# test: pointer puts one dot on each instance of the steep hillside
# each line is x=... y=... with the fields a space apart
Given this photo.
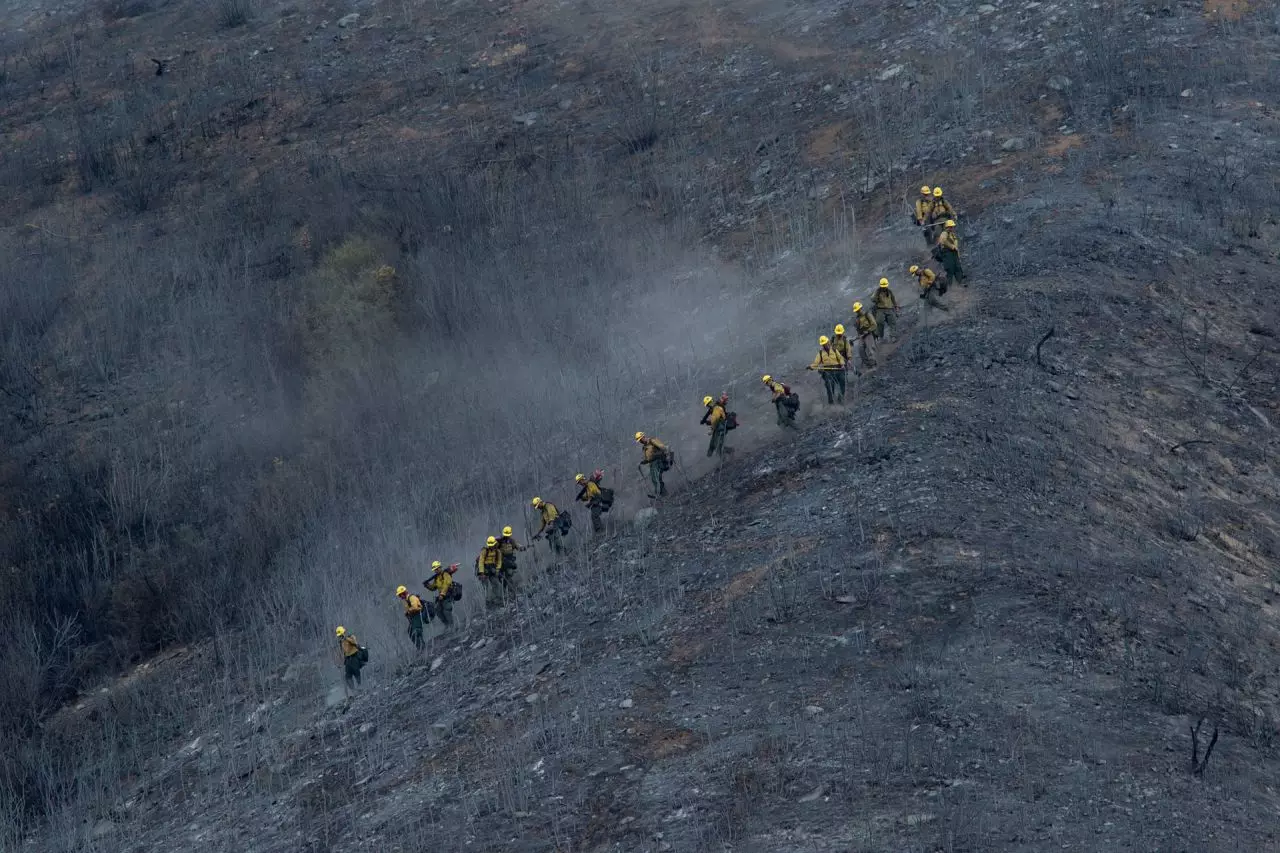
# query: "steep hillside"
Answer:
x=331 y=296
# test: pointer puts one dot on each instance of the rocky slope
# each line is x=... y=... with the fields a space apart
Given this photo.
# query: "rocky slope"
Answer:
x=979 y=609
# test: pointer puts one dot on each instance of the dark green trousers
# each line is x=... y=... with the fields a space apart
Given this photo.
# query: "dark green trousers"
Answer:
x=656 y=469
x=352 y=666
x=951 y=263
x=415 y=630
x=717 y=439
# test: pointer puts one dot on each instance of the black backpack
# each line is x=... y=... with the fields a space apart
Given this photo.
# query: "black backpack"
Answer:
x=606 y=499
x=565 y=520
x=731 y=421
x=791 y=402
x=362 y=655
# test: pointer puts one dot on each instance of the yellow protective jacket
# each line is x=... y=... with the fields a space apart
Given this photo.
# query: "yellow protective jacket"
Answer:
x=654 y=450
x=350 y=645
x=589 y=493
x=942 y=210
x=926 y=277
x=779 y=390
x=508 y=545
x=842 y=345
x=828 y=358
x=924 y=210
x=866 y=324
x=490 y=560
x=715 y=416
x=441 y=582
x=549 y=515
x=412 y=605
x=948 y=240
x=884 y=298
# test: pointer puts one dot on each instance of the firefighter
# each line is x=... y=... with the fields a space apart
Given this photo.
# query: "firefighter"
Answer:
x=589 y=493
x=551 y=527
x=928 y=286
x=831 y=365
x=885 y=304
x=841 y=344
x=412 y=612
x=658 y=458
x=947 y=251
x=510 y=548
x=354 y=657
x=924 y=214
x=489 y=570
x=717 y=421
x=866 y=335
x=940 y=211
x=442 y=584
x=784 y=402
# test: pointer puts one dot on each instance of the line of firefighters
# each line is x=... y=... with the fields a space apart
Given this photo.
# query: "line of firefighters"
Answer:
x=496 y=564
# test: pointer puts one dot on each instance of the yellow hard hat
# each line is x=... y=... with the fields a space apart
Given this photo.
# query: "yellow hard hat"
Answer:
x=506 y=531
x=537 y=501
x=950 y=223
x=823 y=341
x=857 y=306
x=924 y=190
x=937 y=192
x=491 y=541
x=839 y=328
x=766 y=378
x=639 y=436
x=340 y=631
x=884 y=282
x=706 y=401
x=401 y=590
x=579 y=478
x=914 y=269
x=436 y=565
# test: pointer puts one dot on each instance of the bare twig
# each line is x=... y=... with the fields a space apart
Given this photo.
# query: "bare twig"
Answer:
x=1040 y=343
x=1198 y=764
x=1182 y=444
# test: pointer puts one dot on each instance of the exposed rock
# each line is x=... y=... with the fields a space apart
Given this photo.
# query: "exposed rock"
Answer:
x=645 y=517
x=814 y=795
x=890 y=72
x=1014 y=143
x=626 y=703
x=1059 y=83
x=348 y=20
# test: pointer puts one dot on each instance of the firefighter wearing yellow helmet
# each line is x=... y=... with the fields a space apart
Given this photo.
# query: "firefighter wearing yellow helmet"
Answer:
x=885 y=304
x=554 y=524
x=510 y=549
x=412 y=612
x=866 y=325
x=947 y=253
x=830 y=364
x=922 y=215
x=785 y=403
x=659 y=459
x=718 y=423
x=489 y=564
x=354 y=657
x=929 y=289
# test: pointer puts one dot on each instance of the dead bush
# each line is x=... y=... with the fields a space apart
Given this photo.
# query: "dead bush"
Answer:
x=234 y=13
